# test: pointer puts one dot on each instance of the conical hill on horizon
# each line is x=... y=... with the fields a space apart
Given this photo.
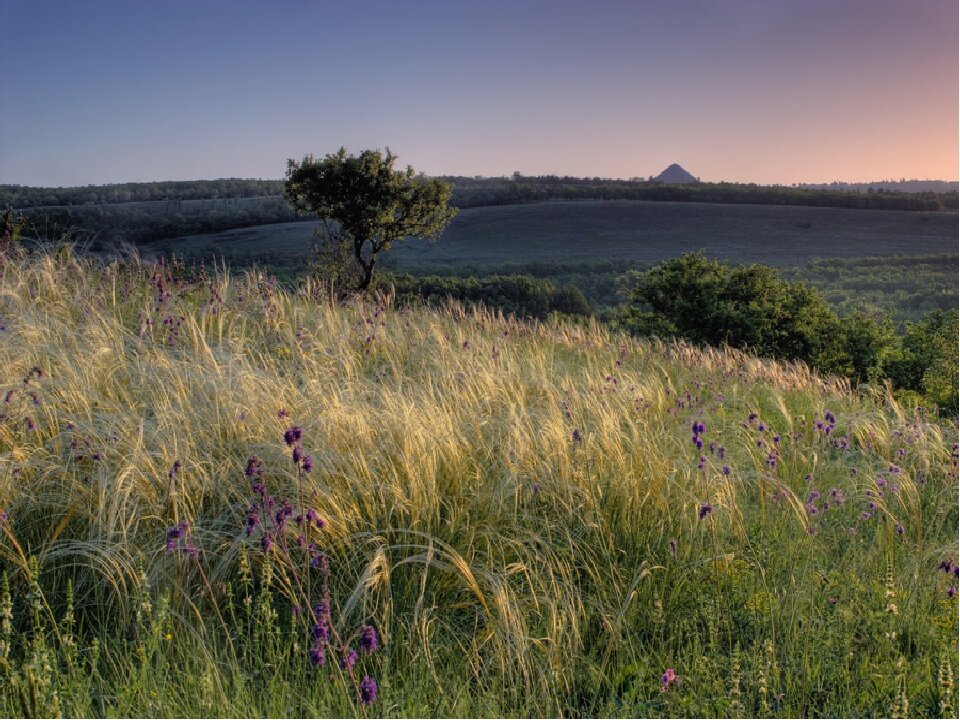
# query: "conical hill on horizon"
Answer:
x=675 y=174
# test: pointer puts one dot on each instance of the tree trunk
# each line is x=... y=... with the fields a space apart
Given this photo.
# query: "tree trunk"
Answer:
x=367 y=265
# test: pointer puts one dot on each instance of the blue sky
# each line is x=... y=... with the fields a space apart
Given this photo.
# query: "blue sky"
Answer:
x=770 y=91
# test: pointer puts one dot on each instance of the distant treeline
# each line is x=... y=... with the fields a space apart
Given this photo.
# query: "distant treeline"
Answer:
x=22 y=196
x=472 y=192
x=145 y=212
x=902 y=185
x=477 y=191
x=105 y=225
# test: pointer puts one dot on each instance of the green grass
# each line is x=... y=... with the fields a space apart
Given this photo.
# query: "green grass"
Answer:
x=500 y=502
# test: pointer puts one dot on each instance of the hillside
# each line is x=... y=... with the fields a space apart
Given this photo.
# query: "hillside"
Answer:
x=531 y=519
x=629 y=230
x=675 y=174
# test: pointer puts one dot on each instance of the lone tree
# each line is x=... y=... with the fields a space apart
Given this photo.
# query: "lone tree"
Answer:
x=366 y=204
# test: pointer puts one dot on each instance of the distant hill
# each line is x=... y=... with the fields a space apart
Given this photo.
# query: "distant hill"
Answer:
x=676 y=175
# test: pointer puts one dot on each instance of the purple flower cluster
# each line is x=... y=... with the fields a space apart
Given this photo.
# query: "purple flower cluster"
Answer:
x=828 y=423
x=368 y=639
x=292 y=438
x=949 y=568
x=368 y=691
x=698 y=429
x=178 y=539
x=668 y=679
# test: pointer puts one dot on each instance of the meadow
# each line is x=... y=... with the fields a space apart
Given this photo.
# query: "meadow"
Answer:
x=222 y=497
x=625 y=230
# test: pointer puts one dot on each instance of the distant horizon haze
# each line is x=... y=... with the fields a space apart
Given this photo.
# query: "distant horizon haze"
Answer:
x=400 y=162
x=773 y=92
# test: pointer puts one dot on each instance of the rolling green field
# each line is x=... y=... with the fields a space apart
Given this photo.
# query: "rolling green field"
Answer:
x=222 y=498
x=884 y=261
x=628 y=230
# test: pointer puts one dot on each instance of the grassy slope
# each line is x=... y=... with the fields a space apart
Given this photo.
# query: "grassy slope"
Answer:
x=509 y=568
x=632 y=230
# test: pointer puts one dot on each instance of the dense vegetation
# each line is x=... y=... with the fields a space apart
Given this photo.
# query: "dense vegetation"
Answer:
x=751 y=307
x=478 y=191
x=222 y=498
x=471 y=192
x=519 y=295
x=906 y=287
x=24 y=196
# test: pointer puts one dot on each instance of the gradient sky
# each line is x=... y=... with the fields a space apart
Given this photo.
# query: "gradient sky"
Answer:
x=768 y=91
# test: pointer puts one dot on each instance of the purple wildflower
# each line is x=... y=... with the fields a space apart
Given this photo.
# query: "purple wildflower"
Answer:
x=705 y=509
x=725 y=469
x=368 y=639
x=254 y=468
x=317 y=656
x=307 y=464
x=368 y=690
x=951 y=591
x=321 y=630
x=293 y=435
x=668 y=679
x=348 y=661
x=673 y=544
x=577 y=436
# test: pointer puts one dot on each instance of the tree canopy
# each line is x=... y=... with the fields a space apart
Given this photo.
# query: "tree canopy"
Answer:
x=366 y=204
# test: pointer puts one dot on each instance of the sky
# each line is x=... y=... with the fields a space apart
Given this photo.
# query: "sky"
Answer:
x=766 y=91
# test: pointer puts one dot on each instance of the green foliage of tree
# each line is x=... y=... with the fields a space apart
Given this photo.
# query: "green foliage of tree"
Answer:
x=869 y=346
x=928 y=359
x=744 y=306
x=751 y=307
x=366 y=203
